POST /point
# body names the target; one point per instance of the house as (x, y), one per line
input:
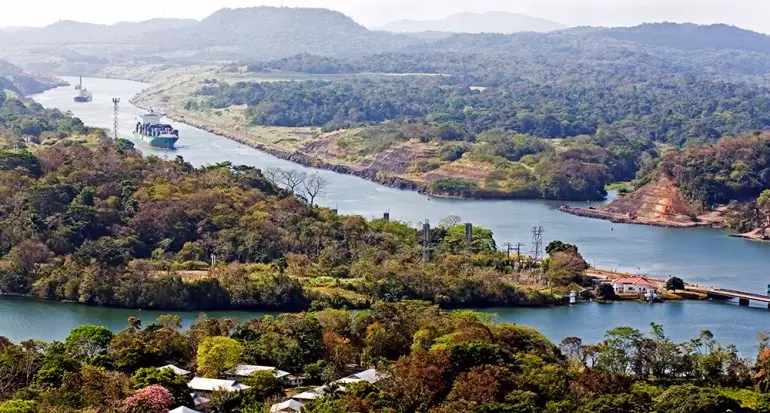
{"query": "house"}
(178, 371)
(294, 405)
(183, 409)
(243, 371)
(205, 387)
(289, 406)
(293, 381)
(633, 285)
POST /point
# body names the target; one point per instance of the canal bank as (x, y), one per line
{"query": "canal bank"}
(23, 318)
(702, 256)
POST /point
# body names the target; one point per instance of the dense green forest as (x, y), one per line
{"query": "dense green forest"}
(431, 361)
(99, 224)
(604, 103)
(668, 110)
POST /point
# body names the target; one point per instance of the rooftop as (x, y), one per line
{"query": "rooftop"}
(204, 384)
(287, 406)
(246, 370)
(633, 281)
(183, 409)
(175, 369)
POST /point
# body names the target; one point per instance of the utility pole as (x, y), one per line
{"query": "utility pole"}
(115, 112)
(518, 255)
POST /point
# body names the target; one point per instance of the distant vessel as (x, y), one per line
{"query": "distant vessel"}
(84, 95)
(150, 130)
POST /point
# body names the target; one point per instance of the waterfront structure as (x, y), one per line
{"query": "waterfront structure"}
(633, 285)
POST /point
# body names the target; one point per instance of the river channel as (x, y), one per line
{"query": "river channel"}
(703, 256)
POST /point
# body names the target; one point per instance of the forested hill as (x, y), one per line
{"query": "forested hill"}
(580, 56)
(271, 32)
(690, 36)
(68, 31)
(16, 80)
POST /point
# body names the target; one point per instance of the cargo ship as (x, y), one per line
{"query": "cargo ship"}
(84, 96)
(150, 130)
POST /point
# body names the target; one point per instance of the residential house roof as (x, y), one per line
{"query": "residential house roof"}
(246, 370)
(183, 409)
(177, 370)
(287, 406)
(204, 384)
(633, 281)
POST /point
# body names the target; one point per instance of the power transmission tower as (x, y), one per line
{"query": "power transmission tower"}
(537, 243)
(115, 112)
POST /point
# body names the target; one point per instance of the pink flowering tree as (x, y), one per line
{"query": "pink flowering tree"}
(151, 399)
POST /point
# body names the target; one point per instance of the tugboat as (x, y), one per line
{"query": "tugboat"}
(150, 130)
(84, 96)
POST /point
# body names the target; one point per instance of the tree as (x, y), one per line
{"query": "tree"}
(152, 399)
(692, 399)
(313, 187)
(218, 354)
(606, 291)
(558, 246)
(763, 205)
(262, 386)
(674, 284)
(88, 340)
(17, 406)
(174, 383)
(292, 179)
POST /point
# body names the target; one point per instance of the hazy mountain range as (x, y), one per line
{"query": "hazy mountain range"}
(68, 31)
(489, 22)
(265, 33)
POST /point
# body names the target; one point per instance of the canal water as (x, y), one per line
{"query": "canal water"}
(703, 256)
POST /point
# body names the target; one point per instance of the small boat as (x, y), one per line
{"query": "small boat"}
(84, 96)
(149, 129)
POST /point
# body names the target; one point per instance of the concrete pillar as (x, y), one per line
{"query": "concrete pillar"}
(743, 301)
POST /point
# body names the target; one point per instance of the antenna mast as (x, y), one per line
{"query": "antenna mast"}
(115, 112)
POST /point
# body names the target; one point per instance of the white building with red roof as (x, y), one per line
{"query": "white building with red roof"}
(633, 285)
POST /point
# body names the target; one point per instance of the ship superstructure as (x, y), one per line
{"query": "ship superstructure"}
(84, 96)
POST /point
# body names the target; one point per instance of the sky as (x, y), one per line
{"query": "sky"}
(750, 14)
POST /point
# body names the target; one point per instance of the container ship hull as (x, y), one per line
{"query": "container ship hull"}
(151, 130)
(166, 142)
